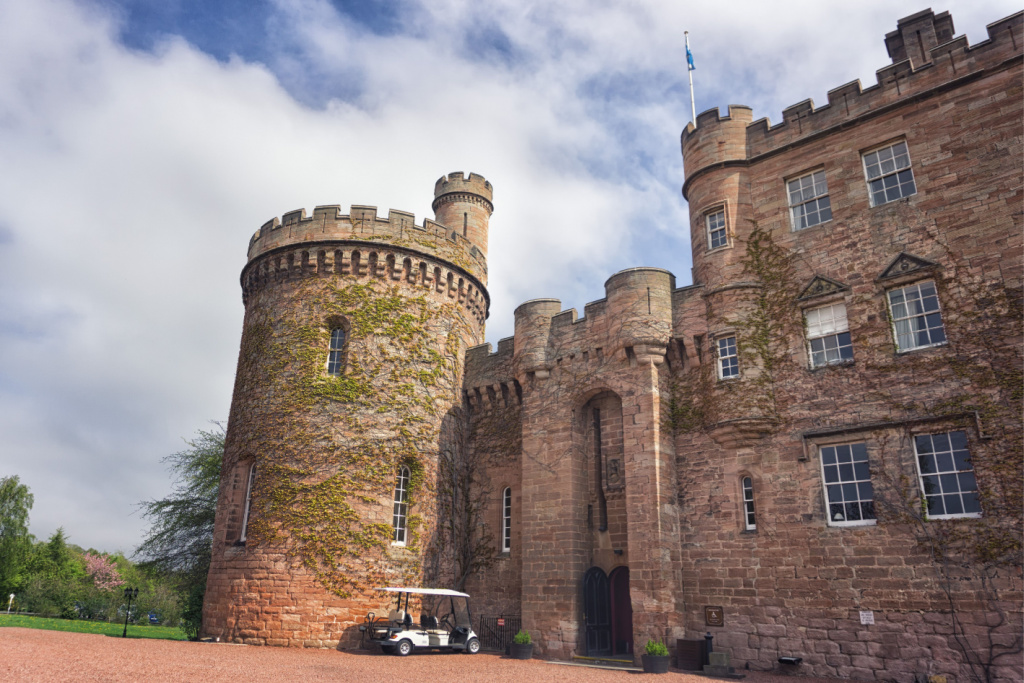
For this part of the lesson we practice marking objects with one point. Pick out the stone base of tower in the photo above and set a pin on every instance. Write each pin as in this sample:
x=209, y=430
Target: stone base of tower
x=269, y=601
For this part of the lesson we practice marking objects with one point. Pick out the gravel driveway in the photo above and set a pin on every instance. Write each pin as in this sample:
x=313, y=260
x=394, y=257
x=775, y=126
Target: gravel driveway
x=32, y=655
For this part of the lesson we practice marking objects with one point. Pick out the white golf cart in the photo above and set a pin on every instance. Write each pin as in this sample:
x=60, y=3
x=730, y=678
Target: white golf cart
x=444, y=623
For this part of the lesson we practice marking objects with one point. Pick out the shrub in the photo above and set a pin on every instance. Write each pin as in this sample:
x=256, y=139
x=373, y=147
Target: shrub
x=656, y=648
x=522, y=638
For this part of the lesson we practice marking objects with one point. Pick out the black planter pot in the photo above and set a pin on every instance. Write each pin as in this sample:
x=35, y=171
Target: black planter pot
x=655, y=664
x=517, y=651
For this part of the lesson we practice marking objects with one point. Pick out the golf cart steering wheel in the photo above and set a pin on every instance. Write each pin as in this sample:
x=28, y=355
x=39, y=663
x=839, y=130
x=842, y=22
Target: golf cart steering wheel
x=446, y=623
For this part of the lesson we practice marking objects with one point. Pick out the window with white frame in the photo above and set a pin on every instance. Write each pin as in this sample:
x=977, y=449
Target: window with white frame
x=828, y=335
x=947, y=475
x=728, y=358
x=849, y=496
x=916, y=318
x=715, y=222
x=336, y=355
x=248, y=502
x=808, y=200
x=506, y=520
x=398, y=520
x=749, y=521
x=889, y=174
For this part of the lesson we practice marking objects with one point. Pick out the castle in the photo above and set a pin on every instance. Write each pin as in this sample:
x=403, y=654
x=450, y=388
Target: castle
x=812, y=452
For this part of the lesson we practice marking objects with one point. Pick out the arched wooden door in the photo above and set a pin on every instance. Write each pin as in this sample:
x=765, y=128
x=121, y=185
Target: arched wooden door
x=621, y=612
x=597, y=612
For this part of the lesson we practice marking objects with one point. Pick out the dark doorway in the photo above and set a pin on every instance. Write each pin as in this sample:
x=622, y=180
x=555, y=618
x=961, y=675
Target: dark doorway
x=597, y=612
x=621, y=612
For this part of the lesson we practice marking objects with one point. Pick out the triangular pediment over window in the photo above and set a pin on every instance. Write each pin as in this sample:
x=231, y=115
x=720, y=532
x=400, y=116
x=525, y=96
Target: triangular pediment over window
x=820, y=286
x=906, y=263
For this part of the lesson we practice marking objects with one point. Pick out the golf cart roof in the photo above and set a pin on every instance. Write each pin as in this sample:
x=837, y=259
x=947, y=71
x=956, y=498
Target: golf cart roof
x=425, y=591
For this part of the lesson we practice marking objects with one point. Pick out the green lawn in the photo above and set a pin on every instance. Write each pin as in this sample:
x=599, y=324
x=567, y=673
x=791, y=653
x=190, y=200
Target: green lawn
x=106, y=628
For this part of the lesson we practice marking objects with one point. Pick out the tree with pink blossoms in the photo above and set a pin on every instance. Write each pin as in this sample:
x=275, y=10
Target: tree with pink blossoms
x=103, y=572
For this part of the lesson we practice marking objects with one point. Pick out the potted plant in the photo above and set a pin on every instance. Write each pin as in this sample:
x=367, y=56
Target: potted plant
x=655, y=657
x=522, y=646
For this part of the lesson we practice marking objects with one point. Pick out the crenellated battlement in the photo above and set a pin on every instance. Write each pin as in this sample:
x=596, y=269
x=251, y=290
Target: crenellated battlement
x=459, y=183
x=362, y=224
x=918, y=71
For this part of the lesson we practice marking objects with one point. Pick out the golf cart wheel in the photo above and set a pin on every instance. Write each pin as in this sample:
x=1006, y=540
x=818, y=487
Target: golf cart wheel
x=388, y=649
x=403, y=648
x=472, y=646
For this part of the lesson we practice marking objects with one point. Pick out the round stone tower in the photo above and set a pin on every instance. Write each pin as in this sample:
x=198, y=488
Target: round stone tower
x=464, y=205
x=350, y=368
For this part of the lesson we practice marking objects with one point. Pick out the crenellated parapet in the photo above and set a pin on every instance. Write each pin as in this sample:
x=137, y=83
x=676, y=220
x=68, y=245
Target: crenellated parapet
x=373, y=260
x=633, y=320
x=490, y=380
x=362, y=226
x=926, y=61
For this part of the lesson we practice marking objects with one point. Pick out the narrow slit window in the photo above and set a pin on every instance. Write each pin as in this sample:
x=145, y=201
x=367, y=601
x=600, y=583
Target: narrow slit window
x=248, y=503
x=506, y=520
x=336, y=356
x=749, y=521
x=399, y=519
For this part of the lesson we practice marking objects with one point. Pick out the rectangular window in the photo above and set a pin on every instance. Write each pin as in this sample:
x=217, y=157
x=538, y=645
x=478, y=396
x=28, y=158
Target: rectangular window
x=916, y=319
x=947, y=475
x=749, y=521
x=889, y=174
x=401, y=509
x=808, y=200
x=728, y=359
x=336, y=355
x=828, y=335
x=506, y=520
x=716, y=229
x=848, y=493
x=248, y=502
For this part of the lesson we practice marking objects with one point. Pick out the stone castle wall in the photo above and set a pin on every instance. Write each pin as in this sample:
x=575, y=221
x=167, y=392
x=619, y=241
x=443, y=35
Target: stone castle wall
x=795, y=585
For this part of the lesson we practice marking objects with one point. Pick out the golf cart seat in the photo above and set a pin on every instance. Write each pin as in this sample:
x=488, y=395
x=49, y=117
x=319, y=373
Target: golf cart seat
x=428, y=623
x=397, y=616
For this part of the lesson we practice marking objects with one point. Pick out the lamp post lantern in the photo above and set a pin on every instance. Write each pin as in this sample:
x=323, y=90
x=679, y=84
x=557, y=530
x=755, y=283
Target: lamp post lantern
x=129, y=594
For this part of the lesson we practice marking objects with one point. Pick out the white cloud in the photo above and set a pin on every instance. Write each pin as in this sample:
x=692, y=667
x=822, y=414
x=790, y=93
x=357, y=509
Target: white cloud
x=135, y=179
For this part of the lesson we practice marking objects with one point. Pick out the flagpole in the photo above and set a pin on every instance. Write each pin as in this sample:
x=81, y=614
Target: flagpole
x=689, y=72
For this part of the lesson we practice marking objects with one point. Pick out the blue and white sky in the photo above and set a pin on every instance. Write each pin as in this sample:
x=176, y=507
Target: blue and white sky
x=142, y=143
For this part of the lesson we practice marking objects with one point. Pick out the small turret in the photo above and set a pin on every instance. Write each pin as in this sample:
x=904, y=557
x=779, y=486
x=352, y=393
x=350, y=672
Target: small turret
x=464, y=205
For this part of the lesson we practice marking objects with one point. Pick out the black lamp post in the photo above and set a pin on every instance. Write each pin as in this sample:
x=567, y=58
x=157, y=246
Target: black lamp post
x=129, y=595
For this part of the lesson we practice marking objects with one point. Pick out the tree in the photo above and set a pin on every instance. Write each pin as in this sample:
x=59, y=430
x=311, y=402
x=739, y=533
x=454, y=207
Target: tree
x=15, y=540
x=180, y=539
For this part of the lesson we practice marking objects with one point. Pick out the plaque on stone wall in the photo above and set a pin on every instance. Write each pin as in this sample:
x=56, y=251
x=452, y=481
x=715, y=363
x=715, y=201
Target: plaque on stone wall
x=614, y=479
x=714, y=616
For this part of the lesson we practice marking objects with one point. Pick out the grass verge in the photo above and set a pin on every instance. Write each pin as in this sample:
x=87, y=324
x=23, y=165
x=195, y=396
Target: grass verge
x=104, y=627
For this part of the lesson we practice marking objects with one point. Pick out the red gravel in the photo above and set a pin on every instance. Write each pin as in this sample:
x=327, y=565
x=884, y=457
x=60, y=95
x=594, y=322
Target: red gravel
x=33, y=655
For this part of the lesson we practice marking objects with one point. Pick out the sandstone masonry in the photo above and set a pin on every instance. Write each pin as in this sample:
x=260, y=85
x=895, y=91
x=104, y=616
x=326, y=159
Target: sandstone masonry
x=818, y=440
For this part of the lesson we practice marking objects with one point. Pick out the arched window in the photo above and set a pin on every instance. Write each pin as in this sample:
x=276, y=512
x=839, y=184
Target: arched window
x=398, y=521
x=506, y=520
x=749, y=522
x=336, y=356
x=248, y=501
